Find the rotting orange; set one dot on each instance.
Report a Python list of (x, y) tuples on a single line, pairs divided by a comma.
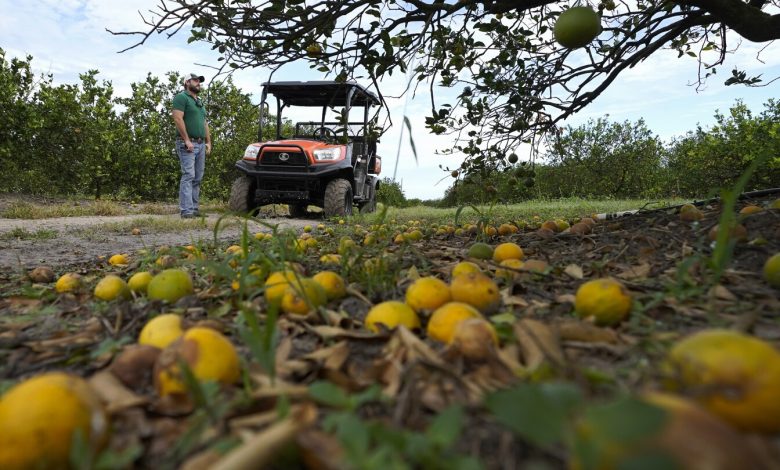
[(734, 375), (209, 355)]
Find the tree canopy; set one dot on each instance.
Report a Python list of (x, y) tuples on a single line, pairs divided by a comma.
[(512, 81)]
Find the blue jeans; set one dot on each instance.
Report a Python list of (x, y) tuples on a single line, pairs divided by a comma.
[(192, 166)]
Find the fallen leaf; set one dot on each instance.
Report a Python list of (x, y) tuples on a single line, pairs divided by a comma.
[(114, 394), (635, 272), (574, 271), (537, 342), (576, 330)]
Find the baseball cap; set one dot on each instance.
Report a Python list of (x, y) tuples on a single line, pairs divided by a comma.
[(193, 76)]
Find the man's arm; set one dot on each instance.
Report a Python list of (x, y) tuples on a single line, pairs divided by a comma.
[(178, 119), (208, 139)]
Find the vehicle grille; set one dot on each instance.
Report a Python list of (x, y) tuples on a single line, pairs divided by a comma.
[(272, 158)]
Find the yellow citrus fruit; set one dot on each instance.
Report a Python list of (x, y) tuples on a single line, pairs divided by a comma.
[(480, 250), (427, 294), (111, 287), (605, 300), (446, 318), (577, 27), (738, 233), (391, 314), (276, 284), (561, 225), (775, 204), (506, 229), (747, 210), (772, 270), (40, 417), (734, 375), (332, 259), (307, 228), (510, 273), (535, 265), (506, 251), (234, 250), (161, 330), (334, 285), (119, 259), (690, 213), (68, 282), (170, 285), (209, 355), (165, 261), (346, 246), (465, 267), (477, 290), (139, 281), (302, 296)]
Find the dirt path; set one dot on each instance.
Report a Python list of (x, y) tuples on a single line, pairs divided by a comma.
[(69, 240)]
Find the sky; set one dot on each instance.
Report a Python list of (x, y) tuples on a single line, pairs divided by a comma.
[(69, 37)]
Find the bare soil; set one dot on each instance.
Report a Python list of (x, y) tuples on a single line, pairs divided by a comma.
[(72, 244)]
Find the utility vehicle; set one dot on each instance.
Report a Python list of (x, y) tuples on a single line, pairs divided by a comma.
[(331, 164)]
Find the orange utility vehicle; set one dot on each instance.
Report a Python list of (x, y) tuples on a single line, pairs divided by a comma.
[(329, 164)]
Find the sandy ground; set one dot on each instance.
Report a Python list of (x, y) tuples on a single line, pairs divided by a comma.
[(71, 246)]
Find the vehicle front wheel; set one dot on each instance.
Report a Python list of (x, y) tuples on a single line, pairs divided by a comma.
[(338, 198), (242, 195)]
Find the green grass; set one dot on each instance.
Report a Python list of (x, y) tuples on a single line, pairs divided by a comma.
[(149, 225), (24, 234), (543, 209), (29, 210)]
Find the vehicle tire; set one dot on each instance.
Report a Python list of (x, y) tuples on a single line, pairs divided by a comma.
[(242, 198), (298, 211), (338, 198)]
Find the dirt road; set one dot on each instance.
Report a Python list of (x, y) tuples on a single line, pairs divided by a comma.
[(65, 241)]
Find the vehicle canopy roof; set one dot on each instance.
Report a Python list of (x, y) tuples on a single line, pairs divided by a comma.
[(320, 93)]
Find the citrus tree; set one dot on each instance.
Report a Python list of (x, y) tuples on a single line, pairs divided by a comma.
[(515, 69)]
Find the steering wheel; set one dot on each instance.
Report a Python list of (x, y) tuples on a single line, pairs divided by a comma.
[(323, 132)]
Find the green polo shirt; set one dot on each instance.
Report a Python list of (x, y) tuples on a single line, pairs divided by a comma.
[(194, 114)]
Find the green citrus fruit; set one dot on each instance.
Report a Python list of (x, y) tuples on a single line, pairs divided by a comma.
[(170, 285), (577, 27)]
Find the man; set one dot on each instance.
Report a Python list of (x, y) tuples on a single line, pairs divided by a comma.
[(192, 144)]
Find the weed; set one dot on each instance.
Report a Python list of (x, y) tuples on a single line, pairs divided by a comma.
[(20, 233)]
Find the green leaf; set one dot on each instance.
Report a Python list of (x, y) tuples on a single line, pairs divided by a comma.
[(626, 420), (411, 137), (536, 412), (446, 427), (329, 394)]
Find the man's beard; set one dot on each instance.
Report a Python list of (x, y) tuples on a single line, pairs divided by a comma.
[(194, 89)]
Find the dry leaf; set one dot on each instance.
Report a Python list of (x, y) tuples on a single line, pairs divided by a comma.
[(537, 342), (576, 330), (574, 271), (259, 451), (721, 293), (635, 272), (114, 394)]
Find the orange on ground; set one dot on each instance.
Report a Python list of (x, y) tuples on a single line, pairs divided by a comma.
[(391, 314), (446, 318), (427, 294)]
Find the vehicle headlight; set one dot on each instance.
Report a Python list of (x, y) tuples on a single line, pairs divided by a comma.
[(251, 151), (333, 153)]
